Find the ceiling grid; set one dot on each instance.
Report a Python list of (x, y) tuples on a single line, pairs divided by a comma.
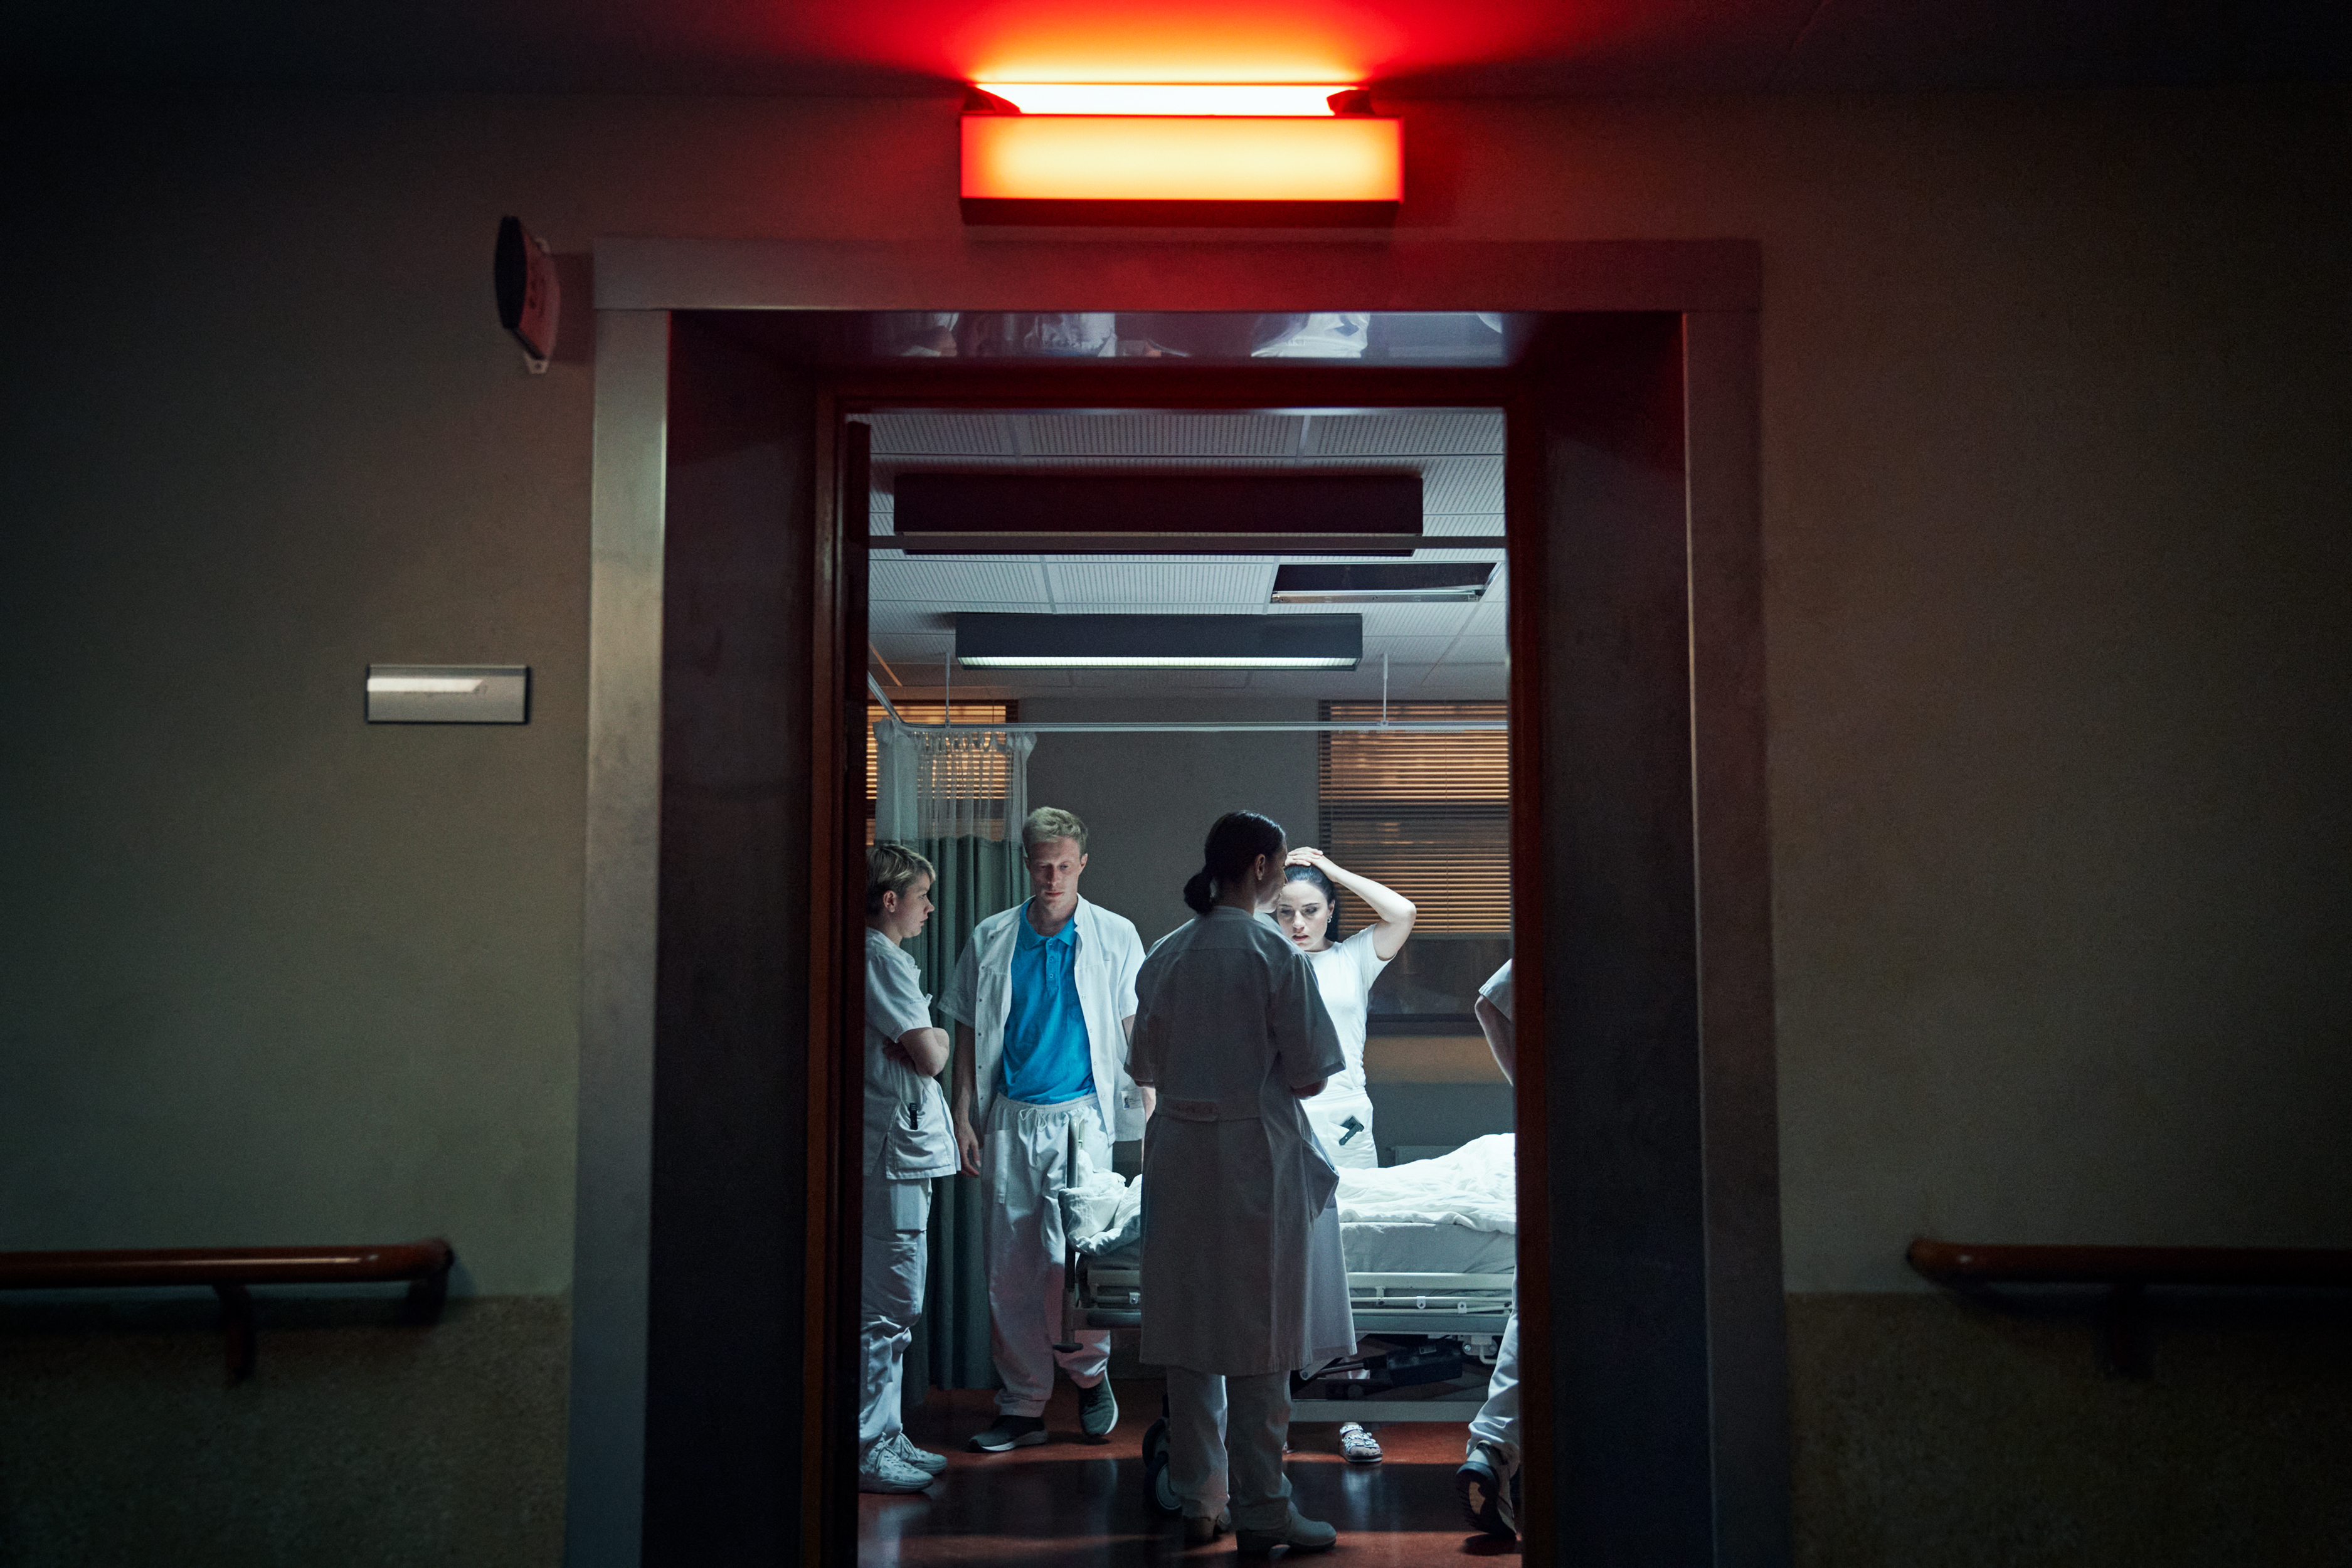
[(1443, 650)]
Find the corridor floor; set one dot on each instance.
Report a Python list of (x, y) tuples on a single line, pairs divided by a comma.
[(1073, 1503)]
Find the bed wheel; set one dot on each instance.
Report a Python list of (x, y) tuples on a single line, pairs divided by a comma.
[(1158, 1493)]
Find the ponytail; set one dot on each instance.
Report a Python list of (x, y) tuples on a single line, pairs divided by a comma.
[(1233, 845), (1199, 893)]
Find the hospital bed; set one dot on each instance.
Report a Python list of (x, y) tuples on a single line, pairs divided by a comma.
[(1431, 1253)]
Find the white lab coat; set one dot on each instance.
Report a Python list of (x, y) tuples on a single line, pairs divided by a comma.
[(1237, 1194), (979, 994)]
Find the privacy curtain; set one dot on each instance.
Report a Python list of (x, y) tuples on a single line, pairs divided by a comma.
[(958, 799)]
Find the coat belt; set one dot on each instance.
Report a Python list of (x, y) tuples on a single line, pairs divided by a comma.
[(1205, 1110)]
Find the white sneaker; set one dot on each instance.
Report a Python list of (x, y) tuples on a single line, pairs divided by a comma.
[(923, 1459), (884, 1471)]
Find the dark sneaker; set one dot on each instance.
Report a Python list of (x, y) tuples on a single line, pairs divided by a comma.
[(1298, 1534), (1012, 1432), (1097, 1409), (1485, 1501)]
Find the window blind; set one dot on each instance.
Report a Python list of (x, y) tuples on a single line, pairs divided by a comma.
[(1428, 815)]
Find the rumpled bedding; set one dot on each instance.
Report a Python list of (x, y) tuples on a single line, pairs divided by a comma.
[(1476, 1188)]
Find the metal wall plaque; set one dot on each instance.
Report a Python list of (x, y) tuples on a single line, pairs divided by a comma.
[(448, 694)]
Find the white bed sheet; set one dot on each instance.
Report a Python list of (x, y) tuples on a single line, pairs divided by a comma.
[(1475, 1187), (1413, 1248)]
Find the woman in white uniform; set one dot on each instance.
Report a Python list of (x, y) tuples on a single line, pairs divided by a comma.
[(907, 1146), (1307, 911), (1240, 1230)]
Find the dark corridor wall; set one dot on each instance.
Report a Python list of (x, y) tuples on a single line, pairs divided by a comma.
[(2057, 604)]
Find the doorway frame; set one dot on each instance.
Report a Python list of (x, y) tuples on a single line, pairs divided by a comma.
[(1713, 285)]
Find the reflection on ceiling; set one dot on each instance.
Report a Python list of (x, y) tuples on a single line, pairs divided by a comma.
[(1441, 649)]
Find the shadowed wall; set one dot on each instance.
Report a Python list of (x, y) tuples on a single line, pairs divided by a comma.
[(2056, 605)]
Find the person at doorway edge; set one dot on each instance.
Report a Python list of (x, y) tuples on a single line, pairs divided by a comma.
[(1488, 1481), (907, 1144), (1044, 997), (1242, 1279)]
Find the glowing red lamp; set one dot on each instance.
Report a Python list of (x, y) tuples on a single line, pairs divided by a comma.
[(1153, 153)]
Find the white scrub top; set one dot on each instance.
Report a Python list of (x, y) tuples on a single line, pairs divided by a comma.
[(1344, 973), (1236, 1194), (1497, 989), (906, 1135)]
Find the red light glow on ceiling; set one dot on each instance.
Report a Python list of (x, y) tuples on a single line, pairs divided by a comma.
[(1286, 100)]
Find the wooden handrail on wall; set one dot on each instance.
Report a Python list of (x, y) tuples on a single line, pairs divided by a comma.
[(231, 1271), (2126, 1272)]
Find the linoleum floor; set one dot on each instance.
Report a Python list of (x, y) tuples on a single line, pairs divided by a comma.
[(1076, 1503)]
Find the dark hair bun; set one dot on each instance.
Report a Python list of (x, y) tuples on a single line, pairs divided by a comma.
[(1235, 841)]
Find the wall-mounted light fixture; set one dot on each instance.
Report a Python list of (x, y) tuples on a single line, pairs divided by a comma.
[(1159, 642), (448, 694), (1310, 154)]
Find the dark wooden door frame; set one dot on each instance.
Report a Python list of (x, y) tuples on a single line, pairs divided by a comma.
[(1738, 1422)]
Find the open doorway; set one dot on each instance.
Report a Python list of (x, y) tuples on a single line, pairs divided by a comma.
[(727, 761), (1390, 758)]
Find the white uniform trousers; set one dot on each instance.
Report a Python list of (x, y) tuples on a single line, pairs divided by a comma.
[(1221, 1429), (1348, 1148), (889, 1299), (1024, 1159), (1496, 1424)]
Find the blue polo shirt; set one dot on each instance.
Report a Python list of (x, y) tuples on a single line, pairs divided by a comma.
[(1046, 1059)]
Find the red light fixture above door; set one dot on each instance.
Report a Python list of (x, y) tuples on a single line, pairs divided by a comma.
[(1264, 154)]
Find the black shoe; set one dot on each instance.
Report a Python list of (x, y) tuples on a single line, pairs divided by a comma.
[(1484, 1501), (1097, 1409), (1012, 1432), (1199, 1529)]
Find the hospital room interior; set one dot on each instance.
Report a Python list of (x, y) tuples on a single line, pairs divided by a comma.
[(1386, 750)]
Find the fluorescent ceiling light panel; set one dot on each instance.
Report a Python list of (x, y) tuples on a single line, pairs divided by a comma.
[(1159, 642), (1403, 584), (1281, 100)]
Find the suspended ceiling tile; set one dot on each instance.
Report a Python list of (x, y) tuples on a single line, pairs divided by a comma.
[(1111, 581), (1414, 620), (892, 617), (1402, 651), (1266, 561), (1480, 650), (921, 433), (1050, 436), (1415, 433), (1463, 485), (1484, 524), (884, 475), (1162, 680), (1480, 525), (974, 582)]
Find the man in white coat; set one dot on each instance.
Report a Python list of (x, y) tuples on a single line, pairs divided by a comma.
[(1488, 1481), (1044, 997)]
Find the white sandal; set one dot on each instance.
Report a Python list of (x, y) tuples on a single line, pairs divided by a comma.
[(1357, 1445)]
